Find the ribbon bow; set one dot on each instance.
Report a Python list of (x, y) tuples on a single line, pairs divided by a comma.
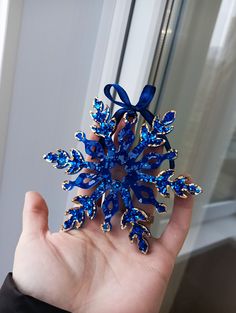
[(145, 98)]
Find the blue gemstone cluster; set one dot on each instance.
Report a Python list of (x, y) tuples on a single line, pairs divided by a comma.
[(105, 157)]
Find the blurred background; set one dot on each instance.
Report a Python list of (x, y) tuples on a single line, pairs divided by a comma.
[(57, 55)]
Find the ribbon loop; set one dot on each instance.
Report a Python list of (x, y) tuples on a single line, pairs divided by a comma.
[(146, 97)]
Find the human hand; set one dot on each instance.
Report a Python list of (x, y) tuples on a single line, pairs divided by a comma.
[(91, 271)]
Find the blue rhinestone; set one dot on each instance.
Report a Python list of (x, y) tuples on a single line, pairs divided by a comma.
[(106, 227), (68, 224), (98, 104), (143, 246), (80, 136), (198, 189), (67, 185), (50, 157), (169, 117)]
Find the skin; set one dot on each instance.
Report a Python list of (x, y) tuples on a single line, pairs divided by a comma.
[(91, 271)]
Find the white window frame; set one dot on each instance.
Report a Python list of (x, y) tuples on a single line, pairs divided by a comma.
[(106, 58), (10, 21)]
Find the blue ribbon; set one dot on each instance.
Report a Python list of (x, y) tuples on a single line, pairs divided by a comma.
[(126, 106)]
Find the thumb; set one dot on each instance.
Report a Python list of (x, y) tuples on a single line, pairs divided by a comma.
[(35, 214)]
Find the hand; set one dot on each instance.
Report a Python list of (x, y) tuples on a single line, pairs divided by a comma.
[(91, 271)]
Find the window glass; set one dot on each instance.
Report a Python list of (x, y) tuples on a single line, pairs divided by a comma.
[(199, 82)]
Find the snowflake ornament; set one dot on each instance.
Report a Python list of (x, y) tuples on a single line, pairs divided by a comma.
[(106, 157)]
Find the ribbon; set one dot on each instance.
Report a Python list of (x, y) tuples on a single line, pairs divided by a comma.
[(145, 98)]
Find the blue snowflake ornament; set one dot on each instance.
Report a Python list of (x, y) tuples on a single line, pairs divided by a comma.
[(115, 171)]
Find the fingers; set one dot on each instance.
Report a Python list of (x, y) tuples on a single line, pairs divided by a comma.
[(35, 214), (176, 231)]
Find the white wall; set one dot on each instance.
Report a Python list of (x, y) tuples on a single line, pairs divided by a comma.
[(54, 57)]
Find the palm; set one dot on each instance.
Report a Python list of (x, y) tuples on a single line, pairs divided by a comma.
[(80, 271)]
